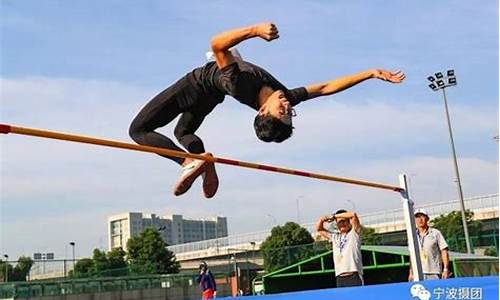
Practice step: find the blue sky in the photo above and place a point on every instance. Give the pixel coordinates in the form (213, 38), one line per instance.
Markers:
(87, 67)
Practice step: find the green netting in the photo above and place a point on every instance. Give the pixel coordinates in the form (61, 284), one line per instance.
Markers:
(95, 285)
(113, 285)
(457, 243)
(51, 289)
(26, 290)
(467, 268)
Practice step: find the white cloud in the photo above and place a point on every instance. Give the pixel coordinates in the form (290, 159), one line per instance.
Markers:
(67, 190)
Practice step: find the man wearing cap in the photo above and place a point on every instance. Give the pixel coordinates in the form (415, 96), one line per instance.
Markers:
(346, 247)
(207, 282)
(433, 249)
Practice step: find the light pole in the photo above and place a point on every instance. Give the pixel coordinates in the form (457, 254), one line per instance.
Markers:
(217, 235)
(6, 277)
(233, 259)
(253, 251)
(73, 251)
(441, 82)
(298, 208)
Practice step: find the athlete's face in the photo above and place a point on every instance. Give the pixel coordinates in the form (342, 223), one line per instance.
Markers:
(278, 106)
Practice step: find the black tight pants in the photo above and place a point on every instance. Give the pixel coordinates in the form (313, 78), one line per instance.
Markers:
(162, 110)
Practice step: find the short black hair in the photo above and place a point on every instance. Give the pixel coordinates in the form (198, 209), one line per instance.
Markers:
(271, 129)
(340, 211)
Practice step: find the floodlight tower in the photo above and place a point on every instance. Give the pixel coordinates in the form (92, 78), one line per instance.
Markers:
(441, 82)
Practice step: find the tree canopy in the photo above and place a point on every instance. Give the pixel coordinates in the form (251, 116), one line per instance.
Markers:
(147, 253)
(369, 237)
(83, 268)
(19, 272)
(451, 227)
(278, 250)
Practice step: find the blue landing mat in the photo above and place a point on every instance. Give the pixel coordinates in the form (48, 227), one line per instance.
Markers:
(472, 288)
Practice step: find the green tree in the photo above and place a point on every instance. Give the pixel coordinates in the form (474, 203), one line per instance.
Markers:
(111, 264)
(83, 268)
(117, 263)
(22, 269)
(369, 237)
(278, 248)
(10, 268)
(19, 272)
(148, 254)
(101, 263)
(451, 227)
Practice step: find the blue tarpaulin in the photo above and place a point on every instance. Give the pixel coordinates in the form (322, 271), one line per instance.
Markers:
(473, 288)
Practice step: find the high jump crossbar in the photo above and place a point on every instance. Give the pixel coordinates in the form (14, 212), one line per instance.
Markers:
(5, 129)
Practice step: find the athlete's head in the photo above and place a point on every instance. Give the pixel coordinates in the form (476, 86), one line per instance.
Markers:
(273, 122)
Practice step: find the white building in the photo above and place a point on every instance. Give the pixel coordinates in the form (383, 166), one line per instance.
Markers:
(173, 229)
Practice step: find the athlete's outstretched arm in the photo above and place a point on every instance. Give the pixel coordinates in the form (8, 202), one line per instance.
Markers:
(222, 42)
(342, 83)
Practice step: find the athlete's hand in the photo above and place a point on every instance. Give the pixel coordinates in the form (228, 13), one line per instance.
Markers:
(267, 31)
(394, 77)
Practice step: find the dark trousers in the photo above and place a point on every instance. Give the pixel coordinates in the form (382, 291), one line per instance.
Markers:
(162, 110)
(349, 280)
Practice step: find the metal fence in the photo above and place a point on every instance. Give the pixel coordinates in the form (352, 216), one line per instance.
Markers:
(42, 269)
(99, 285)
(435, 209)
(385, 217)
(488, 242)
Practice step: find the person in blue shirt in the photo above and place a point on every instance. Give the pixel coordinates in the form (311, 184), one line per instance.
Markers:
(207, 282)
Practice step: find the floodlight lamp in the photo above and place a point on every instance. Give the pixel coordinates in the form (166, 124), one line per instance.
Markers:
(439, 75)
(452, 80)
(440, 83)
(431, 78)
(433, 87)
(451, 72)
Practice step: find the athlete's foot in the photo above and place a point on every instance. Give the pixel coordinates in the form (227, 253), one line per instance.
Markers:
(190, 171)
(210, 179)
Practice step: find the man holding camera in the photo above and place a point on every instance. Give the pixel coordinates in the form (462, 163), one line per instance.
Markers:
(346, 247)
(207, 282)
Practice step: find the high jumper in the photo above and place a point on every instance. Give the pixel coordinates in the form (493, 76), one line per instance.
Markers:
(196, 94)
